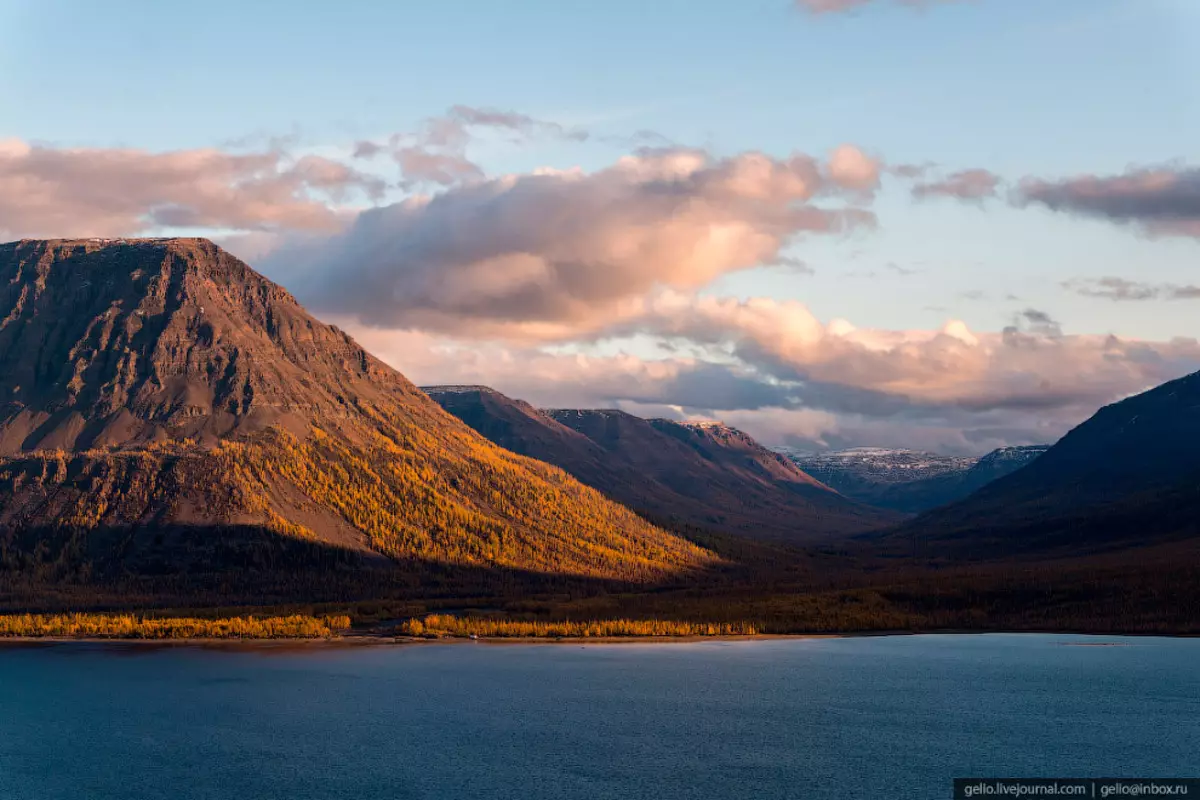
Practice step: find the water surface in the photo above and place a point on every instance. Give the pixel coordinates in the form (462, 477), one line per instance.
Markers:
(888, 717)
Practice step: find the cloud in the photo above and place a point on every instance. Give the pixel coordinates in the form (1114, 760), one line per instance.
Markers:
(773, 369)
(840, 6)
(1030, 365)
(829, 6)
(794, 266)
(911, 171)
(562, 254)
(512, 120)
(259, 185)
(1160, 200)
(421, 165)
(1031, 320)
(1120, 289)
(474, 283)
(437, 153)
(851, 168)
(48, 191)
(970, 184)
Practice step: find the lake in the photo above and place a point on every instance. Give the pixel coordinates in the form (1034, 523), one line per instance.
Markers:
(876, 717)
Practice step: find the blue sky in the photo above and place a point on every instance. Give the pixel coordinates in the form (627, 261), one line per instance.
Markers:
(1048, 89)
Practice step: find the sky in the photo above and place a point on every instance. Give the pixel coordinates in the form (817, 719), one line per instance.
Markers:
(947, 225)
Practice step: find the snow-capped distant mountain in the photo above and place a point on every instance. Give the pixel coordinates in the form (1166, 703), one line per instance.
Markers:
(1021, 454)
(908, 480)
(881, 465)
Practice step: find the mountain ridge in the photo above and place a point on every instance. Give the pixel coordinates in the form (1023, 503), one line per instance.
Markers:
(708, 476)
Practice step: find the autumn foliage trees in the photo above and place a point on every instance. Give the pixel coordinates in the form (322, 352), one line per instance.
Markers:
(449, 625)
(135, 626)
(416, 500)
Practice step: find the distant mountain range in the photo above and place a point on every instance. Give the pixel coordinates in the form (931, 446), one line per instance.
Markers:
(909, 480)
(706, 475)
(1127, 477)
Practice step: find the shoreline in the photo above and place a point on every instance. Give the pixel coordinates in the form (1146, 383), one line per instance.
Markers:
(385, 640)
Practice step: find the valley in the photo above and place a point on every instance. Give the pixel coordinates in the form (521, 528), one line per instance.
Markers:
(180, 436)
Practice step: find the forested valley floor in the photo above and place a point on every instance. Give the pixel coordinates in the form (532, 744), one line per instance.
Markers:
(761, 588)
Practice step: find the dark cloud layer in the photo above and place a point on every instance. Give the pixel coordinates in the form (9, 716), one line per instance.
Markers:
(1162, 200)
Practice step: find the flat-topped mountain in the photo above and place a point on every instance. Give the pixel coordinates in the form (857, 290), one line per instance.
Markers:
(701, 474)
(1005, 460)
(910, 480)
(1128, 476)
(878, 465)
(155, 391)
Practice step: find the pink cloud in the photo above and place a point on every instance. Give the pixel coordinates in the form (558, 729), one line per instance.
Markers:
(436, 153)
(783, 375)
(47, 191)
(841, 6)
(969, 184)
(562, 254)
(1028, 365)
(851, 168)
(464, 285)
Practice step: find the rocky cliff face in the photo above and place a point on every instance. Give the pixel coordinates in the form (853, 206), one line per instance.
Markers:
(109, 344)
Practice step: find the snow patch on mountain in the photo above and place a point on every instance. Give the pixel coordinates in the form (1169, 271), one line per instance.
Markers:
(880, 465)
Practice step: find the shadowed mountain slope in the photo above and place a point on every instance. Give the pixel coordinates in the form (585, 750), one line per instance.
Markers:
(1129, 476)
(161, 384)
(706, 475)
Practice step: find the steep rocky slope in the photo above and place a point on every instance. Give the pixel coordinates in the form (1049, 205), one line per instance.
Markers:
(156, 389)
